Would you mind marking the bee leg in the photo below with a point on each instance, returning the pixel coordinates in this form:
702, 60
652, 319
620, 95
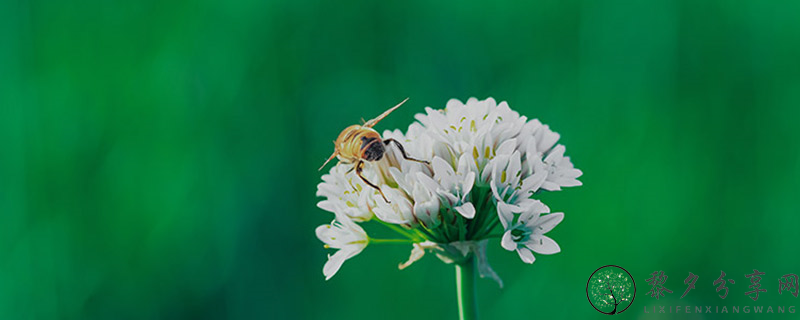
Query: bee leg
403, 150
359, 167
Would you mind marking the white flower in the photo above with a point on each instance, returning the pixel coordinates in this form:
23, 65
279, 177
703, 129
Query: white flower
463, 129
511, 183
452, 186
487, 163
345, 192
536, 138
561, 173
426, 202
397, 211
342, 234
525, 227
415, 142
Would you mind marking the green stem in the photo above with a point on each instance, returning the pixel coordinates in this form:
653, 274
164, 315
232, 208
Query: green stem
465, 289
480, 217
425, 233
462, 229
373, 240
444, 225
488, 229
399, 230
494, 235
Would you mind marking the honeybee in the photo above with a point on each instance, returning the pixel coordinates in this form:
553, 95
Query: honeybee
359, 143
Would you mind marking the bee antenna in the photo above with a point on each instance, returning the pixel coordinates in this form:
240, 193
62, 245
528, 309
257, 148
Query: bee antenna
329, 160
375, 121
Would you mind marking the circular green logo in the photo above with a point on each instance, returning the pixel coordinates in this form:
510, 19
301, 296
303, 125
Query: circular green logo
610, 289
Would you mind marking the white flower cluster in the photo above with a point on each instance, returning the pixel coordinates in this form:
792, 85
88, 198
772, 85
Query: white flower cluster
486, 163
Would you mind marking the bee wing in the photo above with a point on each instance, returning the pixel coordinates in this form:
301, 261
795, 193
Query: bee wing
373, 122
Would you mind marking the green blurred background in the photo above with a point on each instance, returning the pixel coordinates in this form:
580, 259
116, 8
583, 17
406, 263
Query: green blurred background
159, 157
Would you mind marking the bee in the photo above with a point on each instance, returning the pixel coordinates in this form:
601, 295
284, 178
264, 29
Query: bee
359, 143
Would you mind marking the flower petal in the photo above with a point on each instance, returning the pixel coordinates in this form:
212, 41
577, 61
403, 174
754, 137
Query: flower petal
543, 244
546, 223
507, 147
550, 186
506, 213
469, 182
336, 260
398, 211
513, 171
349, 224
442, 170
451, 198
327, 205
416, 253
526, 255
464, 162
429, 183
508, 242
323, 232
546, 138
526, 216
467, 210
532, 183
555, 155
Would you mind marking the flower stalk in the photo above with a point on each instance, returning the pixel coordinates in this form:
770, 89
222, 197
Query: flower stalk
374, 240
465, 289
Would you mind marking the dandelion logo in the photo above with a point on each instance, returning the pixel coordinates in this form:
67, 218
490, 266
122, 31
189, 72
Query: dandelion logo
611, 289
